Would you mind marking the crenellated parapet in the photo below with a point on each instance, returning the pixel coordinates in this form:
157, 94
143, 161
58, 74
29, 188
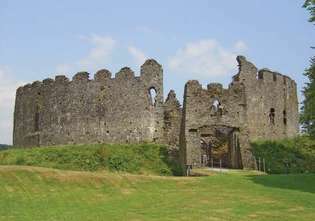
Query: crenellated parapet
248, 72
151, 73
88, 110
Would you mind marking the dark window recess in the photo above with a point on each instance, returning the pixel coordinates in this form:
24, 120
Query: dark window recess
205, 135
192, 130
274, 77
284, 117
152, 96
272, 116
260, 75
36, 126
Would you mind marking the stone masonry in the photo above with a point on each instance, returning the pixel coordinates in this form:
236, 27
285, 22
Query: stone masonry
102, 110
213, 123
256, 105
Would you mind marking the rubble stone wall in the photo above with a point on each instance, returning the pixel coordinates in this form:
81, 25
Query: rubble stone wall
102, 110
256, 105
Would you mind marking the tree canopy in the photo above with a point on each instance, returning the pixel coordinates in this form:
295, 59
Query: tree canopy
310, 6
308, 105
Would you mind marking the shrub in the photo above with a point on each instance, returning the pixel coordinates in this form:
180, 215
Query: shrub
141, 158
296, 155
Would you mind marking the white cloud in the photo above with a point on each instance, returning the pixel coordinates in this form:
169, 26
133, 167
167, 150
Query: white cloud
240, 46
8, 86
138, 56
205, 59
100, 53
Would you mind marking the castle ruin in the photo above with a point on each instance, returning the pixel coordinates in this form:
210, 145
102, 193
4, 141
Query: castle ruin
214, 123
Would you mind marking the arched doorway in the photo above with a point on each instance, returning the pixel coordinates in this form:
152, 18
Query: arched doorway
220, 147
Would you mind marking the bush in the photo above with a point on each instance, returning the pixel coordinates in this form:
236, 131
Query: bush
296, 155
142, 158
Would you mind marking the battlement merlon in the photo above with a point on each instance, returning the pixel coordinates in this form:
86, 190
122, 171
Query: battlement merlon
125, 74
193, 85
215, 87
61, 79
151, 72
102, 75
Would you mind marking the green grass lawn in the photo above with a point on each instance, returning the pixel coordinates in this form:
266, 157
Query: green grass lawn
34, 193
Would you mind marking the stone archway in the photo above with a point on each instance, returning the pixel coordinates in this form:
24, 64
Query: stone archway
219, 146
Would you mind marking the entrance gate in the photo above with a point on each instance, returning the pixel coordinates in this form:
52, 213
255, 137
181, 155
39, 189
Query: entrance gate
220, 147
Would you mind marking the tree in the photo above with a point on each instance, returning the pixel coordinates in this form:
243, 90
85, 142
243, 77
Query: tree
310, 6
308, 105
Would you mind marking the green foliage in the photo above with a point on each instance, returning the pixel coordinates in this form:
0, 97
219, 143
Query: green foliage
295, 155
310, 6
143, 158
307, 117
308, 109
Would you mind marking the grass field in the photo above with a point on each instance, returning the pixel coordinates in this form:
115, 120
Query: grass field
34, 193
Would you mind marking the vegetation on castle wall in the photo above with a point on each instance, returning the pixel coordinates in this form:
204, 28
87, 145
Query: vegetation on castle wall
296, 155
141, 159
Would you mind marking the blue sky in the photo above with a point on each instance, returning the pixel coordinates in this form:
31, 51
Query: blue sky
191, 39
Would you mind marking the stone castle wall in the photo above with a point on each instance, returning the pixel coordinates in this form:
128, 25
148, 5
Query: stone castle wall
104, 110
207, 111
257, 105
271, 102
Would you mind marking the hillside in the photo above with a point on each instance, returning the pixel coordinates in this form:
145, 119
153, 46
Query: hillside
132, 158
33, 193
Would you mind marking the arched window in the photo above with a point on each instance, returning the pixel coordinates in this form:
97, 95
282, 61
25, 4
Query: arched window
215, 105
272, 116
152, 96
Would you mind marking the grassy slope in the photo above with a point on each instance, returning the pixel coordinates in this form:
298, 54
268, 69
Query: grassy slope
140, 158
30, 193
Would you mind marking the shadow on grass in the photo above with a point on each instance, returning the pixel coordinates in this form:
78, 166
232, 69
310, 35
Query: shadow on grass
299, 182
171, 158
